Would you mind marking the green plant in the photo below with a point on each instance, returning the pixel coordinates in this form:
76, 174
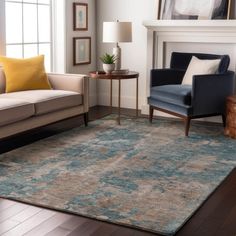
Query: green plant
108, 59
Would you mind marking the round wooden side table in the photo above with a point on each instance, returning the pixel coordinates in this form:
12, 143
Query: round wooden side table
113, 76
230, 129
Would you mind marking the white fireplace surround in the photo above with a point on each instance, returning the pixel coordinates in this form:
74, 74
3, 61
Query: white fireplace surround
161, 32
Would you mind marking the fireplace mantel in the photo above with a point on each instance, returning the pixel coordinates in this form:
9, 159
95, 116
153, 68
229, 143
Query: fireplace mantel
191, 25
194, 31
160, 32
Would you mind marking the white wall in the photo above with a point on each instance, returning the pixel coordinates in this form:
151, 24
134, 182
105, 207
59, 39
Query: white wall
59, 36
82, 69
133, 54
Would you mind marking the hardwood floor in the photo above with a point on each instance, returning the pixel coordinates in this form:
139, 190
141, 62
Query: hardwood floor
217, 216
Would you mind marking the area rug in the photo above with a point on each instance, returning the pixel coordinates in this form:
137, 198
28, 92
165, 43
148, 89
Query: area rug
145, 176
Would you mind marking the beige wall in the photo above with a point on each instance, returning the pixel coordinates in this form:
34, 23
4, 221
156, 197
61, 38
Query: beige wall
82, 69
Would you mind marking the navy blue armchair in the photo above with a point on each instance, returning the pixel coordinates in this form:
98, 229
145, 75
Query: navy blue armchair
205, 97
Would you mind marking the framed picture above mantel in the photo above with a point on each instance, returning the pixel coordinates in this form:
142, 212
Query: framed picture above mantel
80, 16
194, 9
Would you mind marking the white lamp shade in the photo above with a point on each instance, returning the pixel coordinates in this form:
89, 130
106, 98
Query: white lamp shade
115, 32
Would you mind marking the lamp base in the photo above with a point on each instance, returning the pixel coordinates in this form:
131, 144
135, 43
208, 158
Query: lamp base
117, 53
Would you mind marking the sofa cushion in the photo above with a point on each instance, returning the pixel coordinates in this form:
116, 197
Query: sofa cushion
46, 101
174, 94
24, 74
200, 67
12, 110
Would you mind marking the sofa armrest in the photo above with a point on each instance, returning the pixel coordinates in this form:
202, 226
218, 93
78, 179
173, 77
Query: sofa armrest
71, 82
166, 76
209, 92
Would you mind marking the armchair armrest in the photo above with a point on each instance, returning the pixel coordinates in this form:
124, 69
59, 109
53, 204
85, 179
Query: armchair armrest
71, 82
209, 92
166, 76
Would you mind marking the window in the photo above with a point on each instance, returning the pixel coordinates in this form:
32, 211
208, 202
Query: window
28, 29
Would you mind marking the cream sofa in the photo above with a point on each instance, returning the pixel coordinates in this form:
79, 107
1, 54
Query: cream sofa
26, 110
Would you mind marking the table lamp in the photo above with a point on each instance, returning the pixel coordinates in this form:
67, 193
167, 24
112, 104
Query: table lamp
117, 32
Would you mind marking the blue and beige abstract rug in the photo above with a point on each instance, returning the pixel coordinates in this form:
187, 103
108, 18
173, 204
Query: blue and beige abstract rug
140, 175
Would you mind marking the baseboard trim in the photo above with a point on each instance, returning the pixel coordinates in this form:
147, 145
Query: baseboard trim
126, 101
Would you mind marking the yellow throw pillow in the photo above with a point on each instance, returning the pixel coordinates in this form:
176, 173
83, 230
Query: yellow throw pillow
24, 74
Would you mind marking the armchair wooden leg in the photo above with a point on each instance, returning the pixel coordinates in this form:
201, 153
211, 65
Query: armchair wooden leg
187, 125
86, 119
224, 120
150, 113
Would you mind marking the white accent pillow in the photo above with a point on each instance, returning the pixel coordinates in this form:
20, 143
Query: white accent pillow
200, 67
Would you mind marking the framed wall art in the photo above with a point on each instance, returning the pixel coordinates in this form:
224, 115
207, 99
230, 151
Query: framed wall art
159, 9
80, 16
196, 10
81, 50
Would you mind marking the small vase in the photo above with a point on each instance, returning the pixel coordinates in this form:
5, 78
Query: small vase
108, 68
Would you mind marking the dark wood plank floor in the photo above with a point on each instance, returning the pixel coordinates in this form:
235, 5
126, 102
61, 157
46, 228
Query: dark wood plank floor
217, 216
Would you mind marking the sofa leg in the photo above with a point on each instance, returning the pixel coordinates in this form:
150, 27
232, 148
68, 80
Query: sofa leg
86, 119
187, 125
150, 113
224, 120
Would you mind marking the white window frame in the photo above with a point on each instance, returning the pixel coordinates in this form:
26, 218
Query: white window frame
58, 34
2, 28
4, 44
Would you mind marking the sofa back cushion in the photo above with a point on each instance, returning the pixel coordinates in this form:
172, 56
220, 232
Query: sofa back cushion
2, 81
181, 60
